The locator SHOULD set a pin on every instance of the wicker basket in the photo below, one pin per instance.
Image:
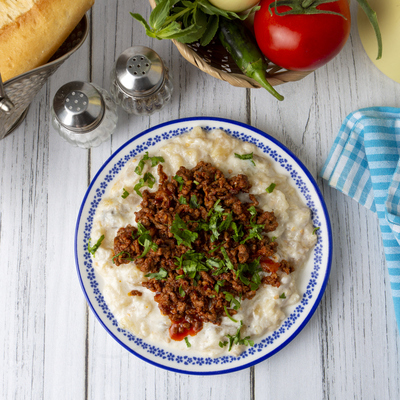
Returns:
(217, 62)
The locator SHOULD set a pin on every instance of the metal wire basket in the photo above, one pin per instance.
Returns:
(17, 93)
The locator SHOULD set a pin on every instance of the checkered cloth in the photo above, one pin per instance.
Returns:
(364, 164)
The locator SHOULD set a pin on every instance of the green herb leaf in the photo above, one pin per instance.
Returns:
(238, 232)
(182, 200)
(317, 228)
(154, 160)
(218, 285)
(236, 339)
(149, 179)
(193, 202)
(180, 180)
(256, 229)
(187, 342)
(181, 291)
(235, 304)
(229, 315)
(226, 223)
(227, 259)
(282, 296)
(270, 188)
(161, 274)
(211, 30)
(148, 244)
(216, 248)
(125, 194)
(181, 233)
(94, 248)
(248, 156)
(196, 183)
(120, 254)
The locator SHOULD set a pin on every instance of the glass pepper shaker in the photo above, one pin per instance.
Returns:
(84, 114)
(140, 82)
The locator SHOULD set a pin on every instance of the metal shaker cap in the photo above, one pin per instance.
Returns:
(139, 71)
(78, 106)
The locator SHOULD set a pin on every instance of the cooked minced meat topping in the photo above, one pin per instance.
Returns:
(201, 247)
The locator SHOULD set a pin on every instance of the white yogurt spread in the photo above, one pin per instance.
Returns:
(294, 235)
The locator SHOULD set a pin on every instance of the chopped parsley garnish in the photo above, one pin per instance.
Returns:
(148, 244)
(218, 264)
(147, 179)
(252, 210)
(273, 239)
(182, 200)
(226, 223)
(161, 274)
(181, 233)
(227, 259)
(218, 285)
(154, 161)
(120, 254)
(238, 232)
(252, 269)
(256, 229)
(270, 188)
(180, 180)
(196, 183)
(93, 249)
(145, 240)
(246, 157)
(229, 315)
(217, 223)
(235, 304)
(216, 248)
(125, 194)
(236, 339)
(314, 232)
(282, 296)
(193, 202)
(181, 291)
(187, 342)
(191, 263)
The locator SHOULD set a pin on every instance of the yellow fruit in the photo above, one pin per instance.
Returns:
(234, 5)
(388, 12)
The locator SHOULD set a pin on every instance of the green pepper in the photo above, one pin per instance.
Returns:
(242, 46)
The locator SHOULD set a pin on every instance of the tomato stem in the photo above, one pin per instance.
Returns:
(307, 3)
(299, 7)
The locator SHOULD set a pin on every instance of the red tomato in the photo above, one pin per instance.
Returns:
(302, 42)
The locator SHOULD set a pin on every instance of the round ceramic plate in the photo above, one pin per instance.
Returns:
(311, 282)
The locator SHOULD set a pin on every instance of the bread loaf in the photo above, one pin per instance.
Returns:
(32, 30)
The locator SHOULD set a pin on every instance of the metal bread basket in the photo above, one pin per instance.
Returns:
(17, 93)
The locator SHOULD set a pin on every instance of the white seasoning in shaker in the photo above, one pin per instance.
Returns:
(140, 81)
(84, 114)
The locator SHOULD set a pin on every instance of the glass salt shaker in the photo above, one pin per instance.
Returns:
(84, 114)
(140, 82)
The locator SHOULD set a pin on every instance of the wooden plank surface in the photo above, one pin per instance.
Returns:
(51, 346)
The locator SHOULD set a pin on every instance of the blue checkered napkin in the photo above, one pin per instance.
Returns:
(364, 164)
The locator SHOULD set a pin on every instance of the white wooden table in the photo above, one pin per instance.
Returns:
(52, 347)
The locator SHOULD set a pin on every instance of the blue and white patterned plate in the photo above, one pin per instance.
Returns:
(311, 284)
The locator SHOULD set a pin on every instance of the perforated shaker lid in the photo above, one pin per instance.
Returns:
(139, 71)
(78, 106)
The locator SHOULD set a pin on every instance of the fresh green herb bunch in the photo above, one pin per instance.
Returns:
(186, 21)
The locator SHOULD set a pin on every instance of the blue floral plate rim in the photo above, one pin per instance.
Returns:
(291, 327)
